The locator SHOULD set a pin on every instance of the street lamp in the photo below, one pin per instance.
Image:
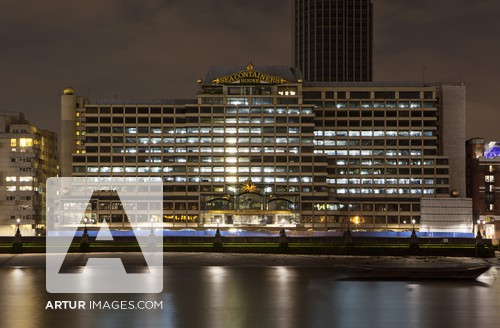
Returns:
(85, 220)
(478, 227)
(218, 221)
(18, 232)
(413, 225)
(152, 220)
(17, 245)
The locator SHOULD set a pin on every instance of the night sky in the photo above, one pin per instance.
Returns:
(159, 48)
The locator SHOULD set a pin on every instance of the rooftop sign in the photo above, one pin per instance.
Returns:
(249, 76)
(492, 150)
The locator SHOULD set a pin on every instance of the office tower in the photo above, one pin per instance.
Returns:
(28, 157)
(333, 39)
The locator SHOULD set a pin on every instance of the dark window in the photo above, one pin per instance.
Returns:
(409, 95)
(385, 95)
(360, 95)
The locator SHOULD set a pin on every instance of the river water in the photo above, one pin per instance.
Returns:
(261, 297)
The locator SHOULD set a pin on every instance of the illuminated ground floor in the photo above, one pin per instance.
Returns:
(263, 219)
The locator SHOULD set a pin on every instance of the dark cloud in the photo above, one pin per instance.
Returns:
(158, 48)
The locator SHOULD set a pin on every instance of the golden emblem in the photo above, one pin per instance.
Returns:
(249, 186)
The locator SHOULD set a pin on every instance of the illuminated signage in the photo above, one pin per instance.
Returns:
(250, 76)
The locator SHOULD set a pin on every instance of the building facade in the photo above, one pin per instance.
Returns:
(333, 39)
(28, 157)
(483, 185)
(260, 147)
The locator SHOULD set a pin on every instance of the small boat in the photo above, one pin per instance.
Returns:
(417, 272)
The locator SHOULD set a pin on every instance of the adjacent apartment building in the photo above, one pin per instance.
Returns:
(483, 185)
(28, 157)
(258, 146)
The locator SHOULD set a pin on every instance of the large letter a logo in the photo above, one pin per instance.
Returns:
(135, 263)
(125, 256)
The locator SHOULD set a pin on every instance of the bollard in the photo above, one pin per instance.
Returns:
(348, 242)
(480, 249)
(217, 240)
(414, 246)
(85, 242)
(283, 240)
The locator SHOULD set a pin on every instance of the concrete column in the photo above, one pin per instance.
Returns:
(453, 134)
(68, 131)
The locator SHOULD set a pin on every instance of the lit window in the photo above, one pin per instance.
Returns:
(26, 188)
(11, 179)
(237, 101)
(25, 179)
(489, 178)
(13, 142)
(11, 188)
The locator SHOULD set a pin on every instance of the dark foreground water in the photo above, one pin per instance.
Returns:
(261, 297)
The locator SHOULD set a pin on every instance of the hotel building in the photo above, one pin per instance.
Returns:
(28, 157)
(483, 185)
(259, 146)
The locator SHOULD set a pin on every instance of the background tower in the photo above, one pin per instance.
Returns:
(332, 39)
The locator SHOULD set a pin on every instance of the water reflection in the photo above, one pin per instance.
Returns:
(262, 297)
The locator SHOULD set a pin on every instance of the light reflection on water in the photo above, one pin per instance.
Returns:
(262, 297)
